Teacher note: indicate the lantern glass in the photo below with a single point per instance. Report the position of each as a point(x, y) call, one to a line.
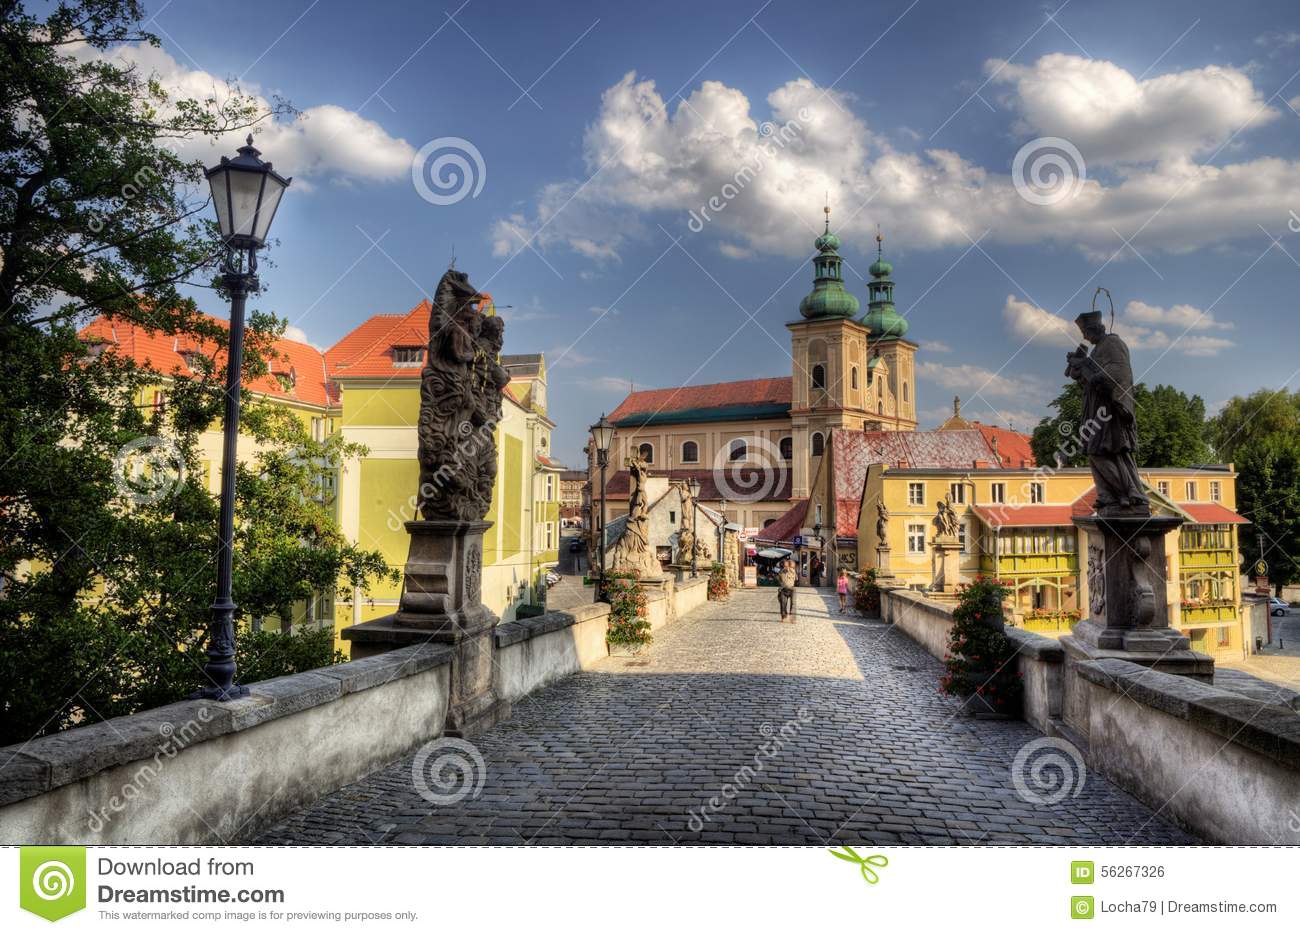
point(246, 192)
point(603, 434)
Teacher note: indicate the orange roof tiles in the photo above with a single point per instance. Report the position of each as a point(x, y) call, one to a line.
point(765, 392)
point(1013, 447)
point(165, 354)
point(1212, 513)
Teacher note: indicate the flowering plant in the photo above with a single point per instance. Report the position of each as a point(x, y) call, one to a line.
point(866, 594)
point(627, 607)
point(719, 587)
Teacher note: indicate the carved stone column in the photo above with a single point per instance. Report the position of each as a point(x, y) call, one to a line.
point(883, 570)
point(947, 564)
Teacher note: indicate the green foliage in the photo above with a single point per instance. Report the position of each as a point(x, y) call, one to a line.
point(1244, 420)
point(1268, 494)
point(105, 596)
point(866, 594)
point(980, 659)
point(719, 586)
point(1171, 429)
point(627, 608)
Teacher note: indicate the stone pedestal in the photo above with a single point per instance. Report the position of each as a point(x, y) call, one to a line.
point(947, 564)
point(1128, 616)
point(884, 572)
point(441, 603)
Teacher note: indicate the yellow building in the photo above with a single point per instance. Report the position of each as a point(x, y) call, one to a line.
point(1016, 525)
point(367, 387)
point(376, 374)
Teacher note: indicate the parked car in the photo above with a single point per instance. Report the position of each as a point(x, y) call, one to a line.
point(1278, 607)
point(552, 579)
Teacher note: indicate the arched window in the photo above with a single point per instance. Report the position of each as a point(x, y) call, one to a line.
point(904, 391)
point(690, 453)
point(787, 448)
point(853, 378)
point(739, 450)
point(818, 377)
point(647, 452)
point(768, 522)
point(880, 407)
point(818, 444)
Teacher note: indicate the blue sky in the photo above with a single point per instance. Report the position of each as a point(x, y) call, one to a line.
point(1179, 122)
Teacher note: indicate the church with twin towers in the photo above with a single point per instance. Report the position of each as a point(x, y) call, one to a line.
point(766, 436)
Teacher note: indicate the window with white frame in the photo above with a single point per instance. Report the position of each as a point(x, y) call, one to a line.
point(916, 494)
point(550, 536)
point(690, 453)
point(1036, 492)
point(550, 488)
point(739, 450)
point(1162, 488)
point(963, 538)
point(1216, 491)
point(1190, 489)
point(998, 492)
point(957, 492)
point(916, 538)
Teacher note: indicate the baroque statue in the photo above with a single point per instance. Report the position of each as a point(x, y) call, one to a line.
point(946, 520)
point(1109, 424)
point(460, 404)
point(632, 551)
point(882, 524)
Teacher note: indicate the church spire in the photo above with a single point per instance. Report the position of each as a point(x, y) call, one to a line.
point(829, 298)
point(882, 318)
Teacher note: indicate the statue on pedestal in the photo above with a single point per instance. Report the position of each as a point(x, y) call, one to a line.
point(1109, 425)
point(882, 525)
point(632, 551)
point(946, 520)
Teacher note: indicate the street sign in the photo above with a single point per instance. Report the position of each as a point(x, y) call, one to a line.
point(1261, 568)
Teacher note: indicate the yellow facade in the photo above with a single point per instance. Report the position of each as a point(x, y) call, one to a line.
point(1015, 526)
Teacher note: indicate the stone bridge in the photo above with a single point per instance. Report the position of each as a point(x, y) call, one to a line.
point(739, 730)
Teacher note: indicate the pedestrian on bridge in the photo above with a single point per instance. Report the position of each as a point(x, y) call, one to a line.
point(842, 588)
point(787, 578)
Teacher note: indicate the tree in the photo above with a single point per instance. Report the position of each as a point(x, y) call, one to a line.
point(1268, 494)
point(1251, 418)
point(1170, 424)
point(106, 577)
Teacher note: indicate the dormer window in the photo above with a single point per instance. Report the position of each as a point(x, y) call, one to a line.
point(191, 359)
point(408, 356)
point(288, 378)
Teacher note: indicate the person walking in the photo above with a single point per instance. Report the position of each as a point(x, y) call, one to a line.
point(842, 589)
point(815, 573)
point(785, 595)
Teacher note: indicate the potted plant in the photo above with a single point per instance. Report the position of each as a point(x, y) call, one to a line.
point(719, 587)
point(981, 660)
point(628, 631)
point(866, 594)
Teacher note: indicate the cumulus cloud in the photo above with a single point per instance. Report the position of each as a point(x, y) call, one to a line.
point(324, 142)
point(1113, 117)
point(977, 381)
point(713, 164)
point(294, 333)
point(1143, 327)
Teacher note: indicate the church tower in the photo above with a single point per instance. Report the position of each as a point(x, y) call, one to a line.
point(829, 349)
point(891, 364)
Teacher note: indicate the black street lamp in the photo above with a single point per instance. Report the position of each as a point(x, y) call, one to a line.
point(817, 534)
point(602, 436)
point(246, 192)
point(693, 485)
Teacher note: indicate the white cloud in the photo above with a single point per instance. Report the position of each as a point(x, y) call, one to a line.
point(937, 347)
point(605, 384)
point(326, 141)
point(734, 252)
point(294, 333)
point(709, 164)
point(1113, 117)
point(977, 381)
point(1143, 327)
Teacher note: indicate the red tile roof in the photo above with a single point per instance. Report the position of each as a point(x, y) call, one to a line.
point(367, 350)
point(786, 526)
point(1013, 447)
point(1212, 513)
point(164, 354)
point(662, 404)
point(959, 448)
point(998, 515)
point(714, 485)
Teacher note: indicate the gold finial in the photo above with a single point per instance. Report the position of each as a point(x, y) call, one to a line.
point(827, 209)
point(880, 239)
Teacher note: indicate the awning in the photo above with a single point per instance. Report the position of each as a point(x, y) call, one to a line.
point(774, 553)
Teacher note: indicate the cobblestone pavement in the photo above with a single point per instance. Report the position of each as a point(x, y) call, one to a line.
point(741, 730)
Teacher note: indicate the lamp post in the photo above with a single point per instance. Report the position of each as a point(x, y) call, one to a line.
point(246, 191)
point(817, 534)
point(693, 485)
point(602, 435)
